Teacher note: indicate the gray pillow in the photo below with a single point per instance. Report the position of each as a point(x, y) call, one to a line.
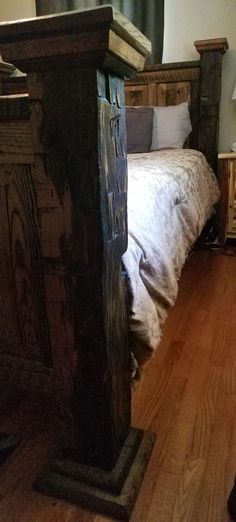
point(171, 126)
point(139, 129)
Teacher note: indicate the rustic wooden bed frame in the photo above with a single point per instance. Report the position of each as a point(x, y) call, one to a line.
point(63, 230)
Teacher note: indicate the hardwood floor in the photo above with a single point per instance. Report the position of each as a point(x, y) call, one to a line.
point(187, 396)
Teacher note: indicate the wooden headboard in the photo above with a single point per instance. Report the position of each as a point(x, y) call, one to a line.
point(198, 82)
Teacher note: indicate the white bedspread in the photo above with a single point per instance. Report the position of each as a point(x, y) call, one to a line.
point(171, 194)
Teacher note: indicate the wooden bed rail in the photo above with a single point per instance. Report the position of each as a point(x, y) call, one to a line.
point(63, 186)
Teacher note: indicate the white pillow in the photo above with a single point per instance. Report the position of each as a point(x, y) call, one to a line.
point(171, 126)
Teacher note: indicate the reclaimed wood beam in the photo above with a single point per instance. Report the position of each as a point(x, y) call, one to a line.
point(211, 52)
point(76, 63)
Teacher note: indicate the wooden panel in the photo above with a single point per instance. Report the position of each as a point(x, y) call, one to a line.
point(158, 93)
point(22, 268)
point(136, 95)
point(173, 93)
point(15, 138)
point(36, 336)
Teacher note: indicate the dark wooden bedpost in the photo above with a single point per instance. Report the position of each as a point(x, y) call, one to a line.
point(211, 52)
point(76, 63)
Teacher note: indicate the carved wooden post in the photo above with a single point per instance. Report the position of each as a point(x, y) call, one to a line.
point(211, 52)
point(76, 63)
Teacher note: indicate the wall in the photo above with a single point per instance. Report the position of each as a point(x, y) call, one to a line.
point(189, 20)
point(16, 9)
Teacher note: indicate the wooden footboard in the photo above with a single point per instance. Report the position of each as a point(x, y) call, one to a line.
point(63, 188)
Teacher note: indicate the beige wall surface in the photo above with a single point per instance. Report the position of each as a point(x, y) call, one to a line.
point(16, 9)
point(189, 20)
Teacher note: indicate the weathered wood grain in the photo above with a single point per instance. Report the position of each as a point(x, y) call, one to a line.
point(224, 175)
point(98, 237)
point(173, 94)
point(136, 95)
point(120, 504)
point(209, 105)
point(211, 52)
point(79, 37)
point(70, 240)
point(24, 265)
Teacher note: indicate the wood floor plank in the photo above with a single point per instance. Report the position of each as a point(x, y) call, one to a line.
point(186, 503)
point(158, 505)
point(42, 508)
point(212, 501)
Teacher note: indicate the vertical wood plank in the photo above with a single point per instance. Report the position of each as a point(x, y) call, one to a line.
point(222, 210)
point(136, 95)
point(85, 140)
point(24, 265)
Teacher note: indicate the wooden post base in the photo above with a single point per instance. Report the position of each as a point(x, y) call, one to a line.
point(113, 493)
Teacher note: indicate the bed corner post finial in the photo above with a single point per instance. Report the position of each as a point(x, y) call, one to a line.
point(76, 64)
point(212, 45)
point(211, 52)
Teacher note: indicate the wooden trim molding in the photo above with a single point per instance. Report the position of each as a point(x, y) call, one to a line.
point(174, 72)
point(212, 44)
point(227, 155)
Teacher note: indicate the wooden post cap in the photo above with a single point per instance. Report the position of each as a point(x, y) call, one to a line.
point(100, 37)
point(213, 44)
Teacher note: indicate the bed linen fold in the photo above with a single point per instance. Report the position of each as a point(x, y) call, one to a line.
point(171, 194)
